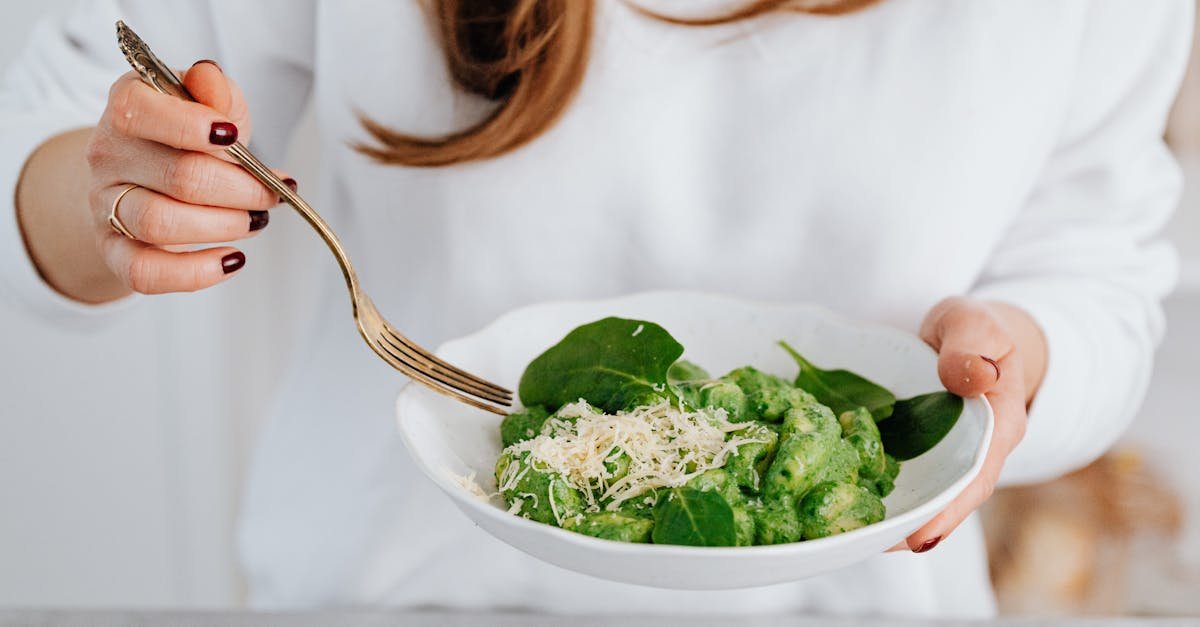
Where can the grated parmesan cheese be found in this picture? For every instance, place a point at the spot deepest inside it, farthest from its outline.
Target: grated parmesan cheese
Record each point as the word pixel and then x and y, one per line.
pixel 665 447
pixel 469 484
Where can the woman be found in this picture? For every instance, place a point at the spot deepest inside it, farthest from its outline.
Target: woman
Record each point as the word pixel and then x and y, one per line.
pixel 989 175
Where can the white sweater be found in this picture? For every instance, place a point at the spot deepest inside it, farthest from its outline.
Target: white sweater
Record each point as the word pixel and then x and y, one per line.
pixel 873 163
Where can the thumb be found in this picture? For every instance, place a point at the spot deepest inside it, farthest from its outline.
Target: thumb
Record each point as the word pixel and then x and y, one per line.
pixel 970 342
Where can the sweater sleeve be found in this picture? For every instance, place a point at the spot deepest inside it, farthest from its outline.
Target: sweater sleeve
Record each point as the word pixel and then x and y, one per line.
pixel 1085 257
pixel 60 82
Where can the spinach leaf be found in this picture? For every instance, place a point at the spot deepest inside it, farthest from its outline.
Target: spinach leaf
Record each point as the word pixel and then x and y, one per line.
pixel 612 363
pixel 841 390
pixel 917 424
pixel 691 517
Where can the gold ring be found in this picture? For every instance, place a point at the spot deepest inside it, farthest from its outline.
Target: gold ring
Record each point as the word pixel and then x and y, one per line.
pixel 113 220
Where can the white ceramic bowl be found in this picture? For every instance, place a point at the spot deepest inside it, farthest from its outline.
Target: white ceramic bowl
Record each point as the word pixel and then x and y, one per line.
pixel 450 440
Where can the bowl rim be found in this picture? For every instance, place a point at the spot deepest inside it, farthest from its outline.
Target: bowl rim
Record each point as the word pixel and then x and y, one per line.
pixel 464 498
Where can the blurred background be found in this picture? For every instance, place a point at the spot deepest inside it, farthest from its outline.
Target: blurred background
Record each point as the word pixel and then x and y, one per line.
pixel 107 503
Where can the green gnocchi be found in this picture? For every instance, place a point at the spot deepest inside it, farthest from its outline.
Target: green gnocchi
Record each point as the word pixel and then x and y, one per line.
pixel 621 440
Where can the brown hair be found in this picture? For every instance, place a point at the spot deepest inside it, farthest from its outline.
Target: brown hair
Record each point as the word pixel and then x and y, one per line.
pixel 530 56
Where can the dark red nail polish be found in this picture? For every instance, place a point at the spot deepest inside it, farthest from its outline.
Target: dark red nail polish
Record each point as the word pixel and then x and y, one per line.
pixel 259 219
pixel 222 133
pixel 233 262
pixel 928 546
pixel 995 365
pixel 290 182
pixel 210 62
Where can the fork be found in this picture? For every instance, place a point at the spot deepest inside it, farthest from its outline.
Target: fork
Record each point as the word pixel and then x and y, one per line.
pixel 398 351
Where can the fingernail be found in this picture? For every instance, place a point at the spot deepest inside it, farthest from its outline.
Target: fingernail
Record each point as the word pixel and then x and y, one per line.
pixel 210 62
pixel 928 546
pixel 290 182
pixel 223 133
pixel 233 262
pixel 995 365
pixel 259 219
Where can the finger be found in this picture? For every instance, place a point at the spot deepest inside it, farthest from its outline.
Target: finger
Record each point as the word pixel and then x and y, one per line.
pixel 970 342
pixel 192 177
pixel 137 110
pixel 151 270
pixel 208 85
pixel 161 220
pixel 1008 405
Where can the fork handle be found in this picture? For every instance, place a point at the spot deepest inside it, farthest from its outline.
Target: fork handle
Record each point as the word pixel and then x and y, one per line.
pixel 156 74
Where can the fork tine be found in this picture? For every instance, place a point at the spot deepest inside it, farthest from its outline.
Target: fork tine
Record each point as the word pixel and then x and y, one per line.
pixel 442 364
pixel 400 352
pixel 427 381
pixel 448 370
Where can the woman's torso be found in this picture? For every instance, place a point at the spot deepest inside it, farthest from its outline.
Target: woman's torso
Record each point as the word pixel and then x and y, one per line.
pixel 868 163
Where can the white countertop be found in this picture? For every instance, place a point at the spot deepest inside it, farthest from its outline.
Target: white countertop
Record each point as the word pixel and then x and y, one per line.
pixel 383 618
